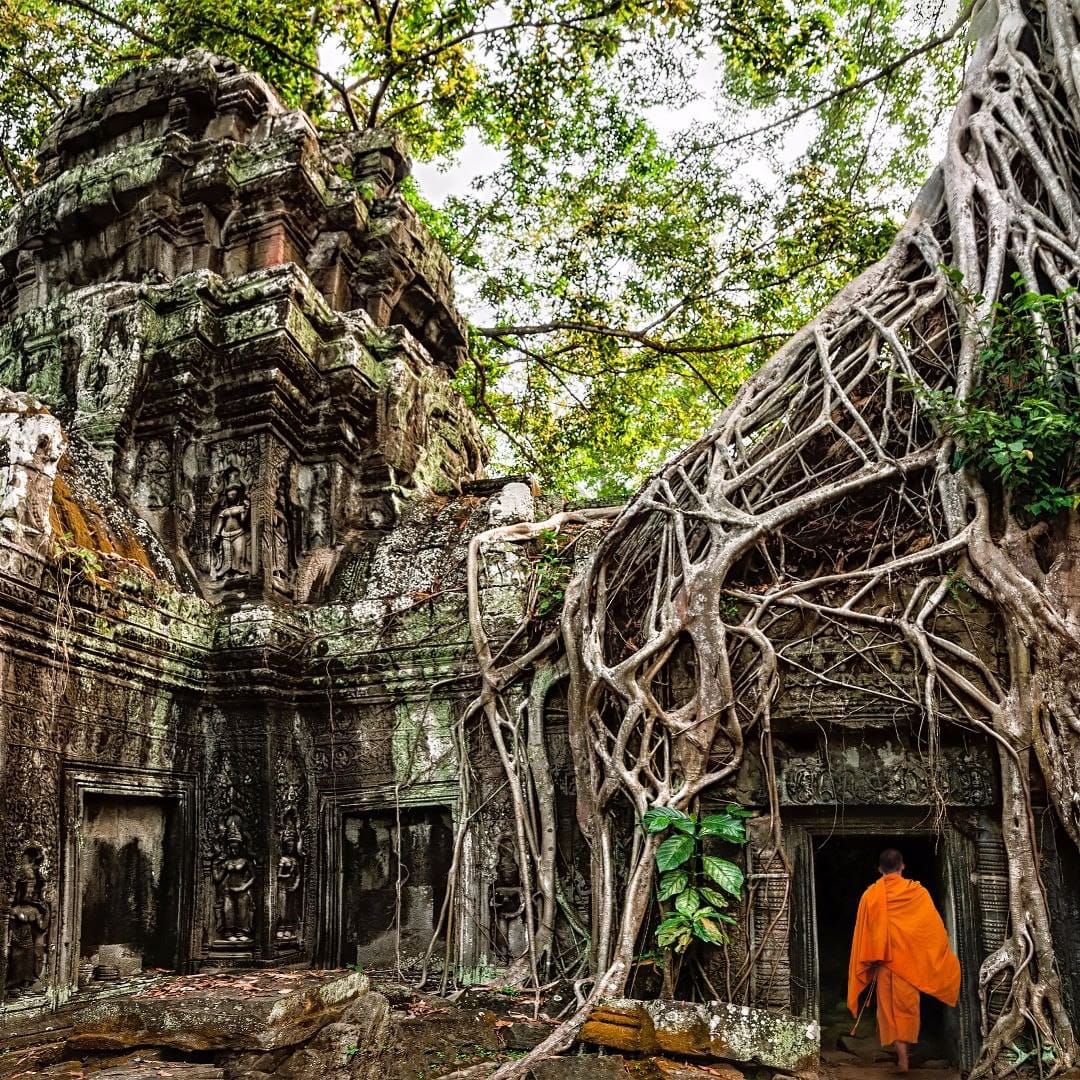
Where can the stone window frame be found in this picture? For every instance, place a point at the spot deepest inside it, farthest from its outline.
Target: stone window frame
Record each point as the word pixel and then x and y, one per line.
pixel 81 779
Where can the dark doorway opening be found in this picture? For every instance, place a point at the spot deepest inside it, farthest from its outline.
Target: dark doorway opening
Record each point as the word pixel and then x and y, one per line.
pixel 844 867
pixel 374 932
pixel 130 883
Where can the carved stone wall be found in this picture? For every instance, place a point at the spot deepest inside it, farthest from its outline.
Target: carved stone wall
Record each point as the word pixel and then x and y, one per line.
pixel 885 774
pixel 228 583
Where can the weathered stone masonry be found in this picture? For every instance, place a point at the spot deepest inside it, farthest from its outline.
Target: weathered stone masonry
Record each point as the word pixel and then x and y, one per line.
pixel 228 590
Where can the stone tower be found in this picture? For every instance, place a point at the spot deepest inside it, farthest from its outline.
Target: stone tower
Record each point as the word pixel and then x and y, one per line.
pixel 236 486
pixel 249 328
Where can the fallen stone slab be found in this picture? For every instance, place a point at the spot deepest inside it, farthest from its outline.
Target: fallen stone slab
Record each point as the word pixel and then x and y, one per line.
pixel 523 1035
pixel 256 1019
pixel 580 1068
pixel 716 1029
pixel 146 1070
pixel 839 1057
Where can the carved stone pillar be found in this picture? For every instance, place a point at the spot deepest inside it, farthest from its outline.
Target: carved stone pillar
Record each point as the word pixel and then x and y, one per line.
pixel 770 900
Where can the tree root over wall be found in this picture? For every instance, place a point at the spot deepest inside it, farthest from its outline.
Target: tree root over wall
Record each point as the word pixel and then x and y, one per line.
pixel 826 493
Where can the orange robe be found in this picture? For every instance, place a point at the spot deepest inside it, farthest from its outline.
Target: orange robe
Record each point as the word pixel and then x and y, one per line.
pixel 900 935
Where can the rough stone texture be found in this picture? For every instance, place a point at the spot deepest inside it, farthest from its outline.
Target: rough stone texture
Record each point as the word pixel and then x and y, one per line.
pixel 31 443
pixel 137 1068
pixel 665 1069
pixel 581 1068
pixel 710 1029
pixel 356 1043
pixel 235 498
pixel 215 1021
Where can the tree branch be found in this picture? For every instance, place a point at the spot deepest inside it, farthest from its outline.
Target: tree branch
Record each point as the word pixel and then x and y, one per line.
pixel 638 337
pixel 861 84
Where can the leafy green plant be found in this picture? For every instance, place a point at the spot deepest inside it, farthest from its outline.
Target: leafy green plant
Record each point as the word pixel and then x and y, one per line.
pixel 1020 425
pixel 698 886
pixel 550 574
pixel 78 562
pixel 729 608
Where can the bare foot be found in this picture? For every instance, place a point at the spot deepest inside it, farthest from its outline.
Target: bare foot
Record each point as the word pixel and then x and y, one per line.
pixel 901 1057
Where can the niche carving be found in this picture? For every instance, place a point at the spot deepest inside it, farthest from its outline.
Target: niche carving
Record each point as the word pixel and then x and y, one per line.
pixel 290 881
pixel 230 531
pixel 28 924
pixel 234 881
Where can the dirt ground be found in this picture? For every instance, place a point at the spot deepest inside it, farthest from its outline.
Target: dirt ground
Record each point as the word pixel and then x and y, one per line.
pixel 426 1037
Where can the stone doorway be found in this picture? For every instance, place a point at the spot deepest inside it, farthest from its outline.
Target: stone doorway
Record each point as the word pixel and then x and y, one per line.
pixel 129 889
pixel 384 853
pixel 357 874
pixel 843 867
pixel 834 860
pixel 127 892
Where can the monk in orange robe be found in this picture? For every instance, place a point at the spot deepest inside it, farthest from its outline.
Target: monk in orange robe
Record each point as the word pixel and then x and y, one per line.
pixel 901 946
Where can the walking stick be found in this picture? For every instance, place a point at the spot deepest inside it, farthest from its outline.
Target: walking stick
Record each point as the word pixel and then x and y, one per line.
pixel 866 1001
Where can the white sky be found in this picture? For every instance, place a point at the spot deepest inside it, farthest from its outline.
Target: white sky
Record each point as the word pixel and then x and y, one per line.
pixel 446 179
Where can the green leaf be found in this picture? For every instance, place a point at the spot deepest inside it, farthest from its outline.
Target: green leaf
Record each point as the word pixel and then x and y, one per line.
pixel 725 873
pixel 735 810
pixel 725 826
pixel 707 928
pixel 674 851
pixel 686 825
pixel 672 883
pixel 686 903
pixel 712 896
pixel 658 818
pixel 674 933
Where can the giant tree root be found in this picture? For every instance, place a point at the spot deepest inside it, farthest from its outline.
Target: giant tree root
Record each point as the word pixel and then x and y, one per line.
pixel 825 496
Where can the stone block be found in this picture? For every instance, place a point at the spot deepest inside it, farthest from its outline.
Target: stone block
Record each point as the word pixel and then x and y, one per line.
pixel 706 1029
pixel 126 960
pixel 585 1067
pixel 205 1022
pixel 513 504
pixel 522 1035
pixel 666 1069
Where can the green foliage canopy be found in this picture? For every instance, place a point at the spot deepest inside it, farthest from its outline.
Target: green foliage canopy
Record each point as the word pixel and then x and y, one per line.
pixel 643 240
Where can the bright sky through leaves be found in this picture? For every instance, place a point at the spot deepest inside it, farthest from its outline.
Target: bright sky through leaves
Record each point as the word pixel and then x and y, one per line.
pixel 642 198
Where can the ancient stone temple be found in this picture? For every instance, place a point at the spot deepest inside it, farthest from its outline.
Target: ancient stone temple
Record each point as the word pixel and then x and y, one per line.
pixel 227 352
pixel 237 490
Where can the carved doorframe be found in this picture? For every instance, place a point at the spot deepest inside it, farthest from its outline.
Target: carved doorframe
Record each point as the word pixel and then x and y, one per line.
pixel 334 807
pixel 960 903
pixel 82 779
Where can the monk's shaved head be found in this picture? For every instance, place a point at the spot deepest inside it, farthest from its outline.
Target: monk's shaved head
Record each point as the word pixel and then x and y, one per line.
pixel 890 861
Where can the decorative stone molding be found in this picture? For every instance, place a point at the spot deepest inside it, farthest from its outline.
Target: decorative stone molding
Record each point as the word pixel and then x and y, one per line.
pixel 886 775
